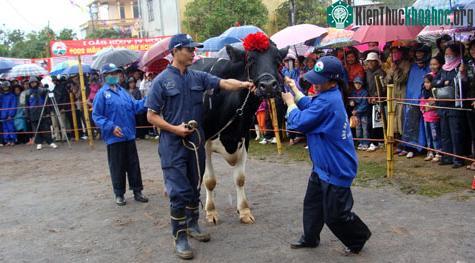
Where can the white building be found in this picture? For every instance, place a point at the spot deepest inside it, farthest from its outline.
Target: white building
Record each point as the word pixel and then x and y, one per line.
pixel 160 17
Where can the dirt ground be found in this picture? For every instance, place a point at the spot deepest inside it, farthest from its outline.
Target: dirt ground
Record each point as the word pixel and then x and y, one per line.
pixel 57 206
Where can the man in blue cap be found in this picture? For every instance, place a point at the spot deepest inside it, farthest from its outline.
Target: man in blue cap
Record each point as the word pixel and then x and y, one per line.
pixel 114 113
pixel 175 99
pixel 324 121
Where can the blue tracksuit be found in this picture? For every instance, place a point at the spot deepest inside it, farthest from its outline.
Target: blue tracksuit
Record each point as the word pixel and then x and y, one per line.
pixel 113 109
pixel 324 120
pixel 9 103
pixel 179 98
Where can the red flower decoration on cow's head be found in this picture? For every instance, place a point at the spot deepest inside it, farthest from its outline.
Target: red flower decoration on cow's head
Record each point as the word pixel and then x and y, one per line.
pixel 256 42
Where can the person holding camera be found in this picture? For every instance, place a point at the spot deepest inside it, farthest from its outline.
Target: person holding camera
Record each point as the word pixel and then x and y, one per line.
pixel 114 113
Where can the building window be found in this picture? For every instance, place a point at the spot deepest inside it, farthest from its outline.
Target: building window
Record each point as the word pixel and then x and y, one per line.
pixel 122 11
pixel 136 10
pixel 150 10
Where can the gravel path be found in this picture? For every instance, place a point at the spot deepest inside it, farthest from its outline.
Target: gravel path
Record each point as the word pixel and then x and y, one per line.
pixel 56 206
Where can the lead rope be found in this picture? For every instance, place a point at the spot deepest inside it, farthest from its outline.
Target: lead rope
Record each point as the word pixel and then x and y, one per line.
pixel 192 147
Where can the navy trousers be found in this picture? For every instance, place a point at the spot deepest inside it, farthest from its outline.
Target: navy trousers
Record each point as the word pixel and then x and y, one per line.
pixel 329 204
pixel 124 162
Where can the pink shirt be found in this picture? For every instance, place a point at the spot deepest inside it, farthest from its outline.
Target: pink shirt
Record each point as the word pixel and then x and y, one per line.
pixel 430 115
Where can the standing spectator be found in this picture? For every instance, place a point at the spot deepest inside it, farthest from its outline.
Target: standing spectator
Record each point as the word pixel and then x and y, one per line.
pixel 146 84
pixel 22 104
pixel 362 111
pixel 451 121
pixel 261 116
pixel 435 65
pixel 20 120
pixel 114 112
pixel 397 75
pixel 431 119
pixel 353 67
pixel 441 44
pixel 413 130
pixel 470 69
pixel 7 115
pixel 35 99
pixel 141 118
pixel 373 71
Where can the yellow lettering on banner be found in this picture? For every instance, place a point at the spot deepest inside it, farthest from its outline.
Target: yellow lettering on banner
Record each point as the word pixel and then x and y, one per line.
pixel 77 51
pixel 134 47
pixel 144 47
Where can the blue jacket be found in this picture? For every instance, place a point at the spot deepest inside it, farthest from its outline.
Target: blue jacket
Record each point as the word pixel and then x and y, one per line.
pixel 362 106
pixel 8 101
pixel 324 120
pixel 113 109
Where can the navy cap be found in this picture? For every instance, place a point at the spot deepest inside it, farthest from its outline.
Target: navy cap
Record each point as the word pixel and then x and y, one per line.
pixel 358 79
pixel 326 68
pixel 183 40
pixel 109 68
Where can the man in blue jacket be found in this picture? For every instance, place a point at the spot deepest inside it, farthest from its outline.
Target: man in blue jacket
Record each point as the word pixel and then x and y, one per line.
pixel 114 112
pixel 324 121
pixel 8 104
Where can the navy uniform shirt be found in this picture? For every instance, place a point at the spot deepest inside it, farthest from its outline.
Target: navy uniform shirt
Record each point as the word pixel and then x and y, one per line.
pixel 179 99
pixel 113 109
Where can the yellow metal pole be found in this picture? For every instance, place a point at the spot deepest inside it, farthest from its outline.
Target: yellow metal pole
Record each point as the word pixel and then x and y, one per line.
pixel 84 103
pixel 390 132
pixel 75 118
pixel 275 124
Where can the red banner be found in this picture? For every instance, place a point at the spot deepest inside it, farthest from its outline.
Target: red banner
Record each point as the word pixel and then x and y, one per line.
pixel 92 46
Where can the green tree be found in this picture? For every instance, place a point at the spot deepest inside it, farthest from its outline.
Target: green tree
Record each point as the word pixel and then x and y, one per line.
pixel 306 12
pixel 207 18
pixel 66 34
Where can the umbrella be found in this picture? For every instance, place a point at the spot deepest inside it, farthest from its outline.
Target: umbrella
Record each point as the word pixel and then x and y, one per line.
pixel 27 70
pixel 59 68
pixel 5 65
pixel 217 43
pixel 335 38
pixel 241 32
pixel 224 54
pixel 157 66
pixel 118 56
pixel 156 52
pixel 297 34
pixel 440 4
pixel 383 34
pixel 75 69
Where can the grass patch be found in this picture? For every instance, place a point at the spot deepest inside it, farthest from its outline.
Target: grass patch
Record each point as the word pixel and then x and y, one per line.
pixel 412 176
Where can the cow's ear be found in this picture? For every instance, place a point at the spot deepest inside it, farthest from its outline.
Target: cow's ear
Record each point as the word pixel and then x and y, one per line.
pixel 283 52
pixel 235 54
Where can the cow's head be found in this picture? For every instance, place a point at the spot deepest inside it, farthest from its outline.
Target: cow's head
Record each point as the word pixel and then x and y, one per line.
pixel 262 60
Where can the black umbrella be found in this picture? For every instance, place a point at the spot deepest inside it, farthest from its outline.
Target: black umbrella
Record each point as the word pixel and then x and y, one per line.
pixel 118 56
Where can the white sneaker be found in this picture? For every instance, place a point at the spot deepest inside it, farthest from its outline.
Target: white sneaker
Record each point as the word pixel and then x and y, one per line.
pixel 409 155
pixel 39 146
pixel 273 141
pixel 372 148
pixel 53 145
pixel 263 141
pixel 429 157
pixel 257 138
pixel 84 137
pixel 306 147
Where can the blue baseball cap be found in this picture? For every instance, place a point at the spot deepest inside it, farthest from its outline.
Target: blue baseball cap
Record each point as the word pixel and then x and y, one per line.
pixel 109 68
pixel 326 68
pixel 183 40
pixel 358 79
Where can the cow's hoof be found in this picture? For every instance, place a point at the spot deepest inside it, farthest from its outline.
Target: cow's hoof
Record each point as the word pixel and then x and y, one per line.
pixel 212 217
pixel 246 217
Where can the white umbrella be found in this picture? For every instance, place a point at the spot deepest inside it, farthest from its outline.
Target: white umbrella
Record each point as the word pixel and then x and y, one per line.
pixel 27 70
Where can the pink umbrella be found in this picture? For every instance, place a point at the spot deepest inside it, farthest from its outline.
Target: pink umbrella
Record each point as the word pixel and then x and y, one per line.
pixel 298 34
pixel 383 34
pixel 158 51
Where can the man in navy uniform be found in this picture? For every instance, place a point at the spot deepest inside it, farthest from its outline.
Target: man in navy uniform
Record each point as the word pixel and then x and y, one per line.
pixel 176 98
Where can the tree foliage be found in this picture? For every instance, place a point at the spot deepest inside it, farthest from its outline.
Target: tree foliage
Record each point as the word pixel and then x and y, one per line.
pixel 106 33
pixel 306 12
pixel 18 44
pixel 208 18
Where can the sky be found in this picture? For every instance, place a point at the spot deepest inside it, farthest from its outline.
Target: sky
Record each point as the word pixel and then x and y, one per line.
pixel 29 15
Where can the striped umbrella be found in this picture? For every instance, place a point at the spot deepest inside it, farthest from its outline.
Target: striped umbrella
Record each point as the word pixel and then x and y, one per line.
pixel 27 70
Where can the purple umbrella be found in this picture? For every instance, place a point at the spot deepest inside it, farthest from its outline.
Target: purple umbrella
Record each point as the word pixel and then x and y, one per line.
pixel 297 34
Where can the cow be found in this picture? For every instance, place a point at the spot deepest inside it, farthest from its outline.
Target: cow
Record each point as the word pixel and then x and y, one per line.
pixel 228 115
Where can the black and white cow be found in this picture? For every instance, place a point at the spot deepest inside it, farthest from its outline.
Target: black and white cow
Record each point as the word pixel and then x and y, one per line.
pixel 229 115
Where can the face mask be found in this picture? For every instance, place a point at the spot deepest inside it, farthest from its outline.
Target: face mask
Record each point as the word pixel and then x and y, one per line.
pixel 449 58
pixel 112 80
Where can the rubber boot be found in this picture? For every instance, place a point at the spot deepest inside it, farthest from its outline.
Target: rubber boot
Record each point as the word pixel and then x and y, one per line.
pixel 194 230
pixel 180 237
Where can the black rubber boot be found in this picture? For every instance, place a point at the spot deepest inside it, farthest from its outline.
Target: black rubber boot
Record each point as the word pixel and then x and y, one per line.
pixel 194 230
pixel 180 237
